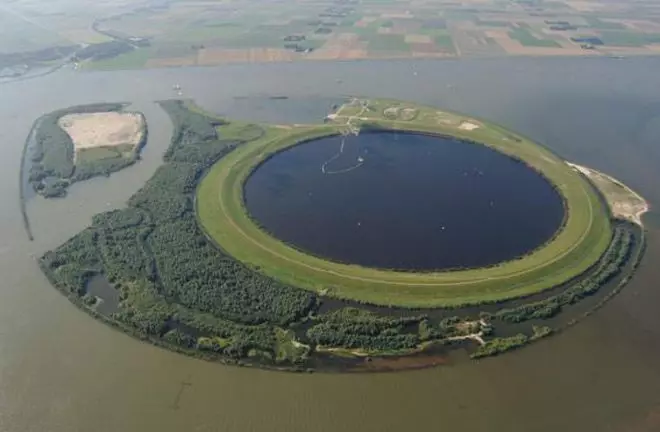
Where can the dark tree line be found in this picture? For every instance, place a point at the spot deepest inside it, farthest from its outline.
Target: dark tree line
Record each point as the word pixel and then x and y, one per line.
pixel 355 328
pixel 154 249
pixel 613 261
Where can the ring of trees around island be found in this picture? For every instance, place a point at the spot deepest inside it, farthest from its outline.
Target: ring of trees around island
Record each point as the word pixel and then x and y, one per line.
pixel 184 265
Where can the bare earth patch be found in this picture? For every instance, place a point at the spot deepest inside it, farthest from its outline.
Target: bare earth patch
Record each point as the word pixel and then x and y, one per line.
pixel 468 126
pixel 105 129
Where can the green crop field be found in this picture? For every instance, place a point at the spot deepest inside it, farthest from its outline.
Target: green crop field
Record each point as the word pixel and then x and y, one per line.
pixel 444 41
pixel 526 38
pixel 133 59
pixel 628 39
pixel 599 24
pixel 584 237
pixel 387 42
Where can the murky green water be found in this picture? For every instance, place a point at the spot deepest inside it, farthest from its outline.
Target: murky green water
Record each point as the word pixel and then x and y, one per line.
pixel 62 371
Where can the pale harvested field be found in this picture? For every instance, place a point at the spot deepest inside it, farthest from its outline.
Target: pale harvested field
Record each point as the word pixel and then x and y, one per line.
pixel 84 35
pixel 171 61
pixel 365 21
pixel 417 38
pixel 407 26
pixel 585 6
pixel 279 22
pixel 259 55
pixel 424 48
pixel 430 55
pixel 641 25
pixel 399 15
pixel 341 46
pixel 106 129
pixel 338 54
pixel 211 56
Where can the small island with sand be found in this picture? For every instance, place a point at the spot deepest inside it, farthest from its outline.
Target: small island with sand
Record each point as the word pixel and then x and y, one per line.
pixel 190 264
pixel 81 142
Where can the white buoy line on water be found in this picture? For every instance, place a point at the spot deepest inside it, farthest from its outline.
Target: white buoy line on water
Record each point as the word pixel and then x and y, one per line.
pixel 351 129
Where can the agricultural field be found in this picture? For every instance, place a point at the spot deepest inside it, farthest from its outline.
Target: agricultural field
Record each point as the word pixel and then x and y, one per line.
pixel 183 33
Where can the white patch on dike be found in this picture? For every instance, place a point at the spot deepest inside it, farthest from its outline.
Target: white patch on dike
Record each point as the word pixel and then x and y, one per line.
pixel 468 126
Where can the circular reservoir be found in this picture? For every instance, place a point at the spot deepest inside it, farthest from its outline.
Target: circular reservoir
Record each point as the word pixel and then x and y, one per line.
pixel 403 201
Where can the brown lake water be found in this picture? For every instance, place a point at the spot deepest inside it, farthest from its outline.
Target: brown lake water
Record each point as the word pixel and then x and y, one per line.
pixel 60 370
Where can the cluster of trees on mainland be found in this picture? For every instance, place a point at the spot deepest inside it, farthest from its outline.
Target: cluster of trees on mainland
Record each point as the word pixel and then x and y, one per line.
pixel 52 166
pixel 178 289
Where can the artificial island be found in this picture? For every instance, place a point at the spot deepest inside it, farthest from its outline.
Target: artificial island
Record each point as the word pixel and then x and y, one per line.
pixel 381 239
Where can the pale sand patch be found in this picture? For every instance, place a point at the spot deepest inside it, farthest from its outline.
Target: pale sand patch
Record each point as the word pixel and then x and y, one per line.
pixel 105 129
pixel 418 38
pixel 468 126
pixel 624 202
pixel 398 15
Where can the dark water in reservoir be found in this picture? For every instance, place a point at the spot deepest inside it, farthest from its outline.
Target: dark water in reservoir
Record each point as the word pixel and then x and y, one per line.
pixel 403 201
pixel 62 371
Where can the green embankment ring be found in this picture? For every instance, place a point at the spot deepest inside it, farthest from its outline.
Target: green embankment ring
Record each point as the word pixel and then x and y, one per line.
pixel 581 241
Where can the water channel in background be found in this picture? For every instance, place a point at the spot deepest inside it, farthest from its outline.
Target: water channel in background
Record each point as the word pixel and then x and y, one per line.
pixel 60 370
pixel 403 201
